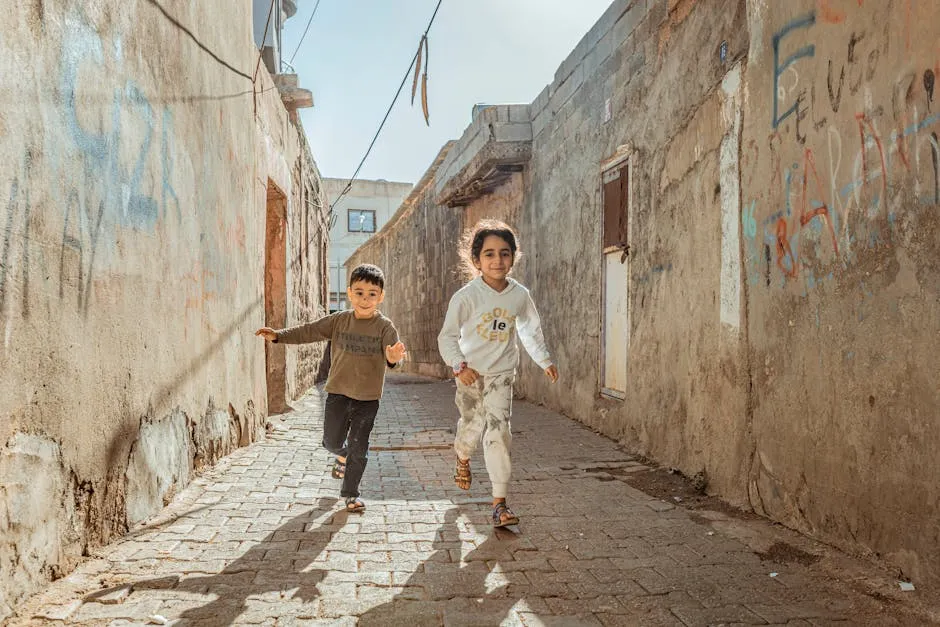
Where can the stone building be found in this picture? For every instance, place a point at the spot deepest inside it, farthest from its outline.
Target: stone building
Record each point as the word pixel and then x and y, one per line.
pixel 161 203
pixel 730 215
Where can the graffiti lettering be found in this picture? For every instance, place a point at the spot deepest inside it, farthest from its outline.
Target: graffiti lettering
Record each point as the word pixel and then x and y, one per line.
pixel 17 230
pixel 806 51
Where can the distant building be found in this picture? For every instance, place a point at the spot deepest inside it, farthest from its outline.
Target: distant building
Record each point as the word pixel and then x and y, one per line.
pixel 362 212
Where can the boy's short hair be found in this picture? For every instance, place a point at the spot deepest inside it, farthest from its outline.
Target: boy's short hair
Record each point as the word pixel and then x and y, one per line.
pixel 368 273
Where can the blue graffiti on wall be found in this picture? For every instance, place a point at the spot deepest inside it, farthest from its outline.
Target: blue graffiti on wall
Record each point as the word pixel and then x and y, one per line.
pixel 806 51
pixel 110 191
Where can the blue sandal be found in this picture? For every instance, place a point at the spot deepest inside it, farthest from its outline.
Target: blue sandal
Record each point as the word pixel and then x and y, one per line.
pixel 354 504
pixel 339 470
pixel 503 516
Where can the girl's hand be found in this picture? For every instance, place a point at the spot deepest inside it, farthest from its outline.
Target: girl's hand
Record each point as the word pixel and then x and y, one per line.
pixel 468 376
pixel 267 333
pixel 395 354
pixel 552 373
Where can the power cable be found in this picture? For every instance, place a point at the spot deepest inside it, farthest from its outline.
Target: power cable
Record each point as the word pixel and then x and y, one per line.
pixel 394 100
pixel 196 40
pixel 306 28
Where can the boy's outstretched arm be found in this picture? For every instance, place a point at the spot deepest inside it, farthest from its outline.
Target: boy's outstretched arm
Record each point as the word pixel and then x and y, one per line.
pixel 316 331
pixel 267 333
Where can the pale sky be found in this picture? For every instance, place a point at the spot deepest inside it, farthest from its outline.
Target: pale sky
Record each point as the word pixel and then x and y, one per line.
pixel 481 51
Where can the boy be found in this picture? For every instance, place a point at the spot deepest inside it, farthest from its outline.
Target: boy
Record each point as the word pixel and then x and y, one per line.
pixel 364 344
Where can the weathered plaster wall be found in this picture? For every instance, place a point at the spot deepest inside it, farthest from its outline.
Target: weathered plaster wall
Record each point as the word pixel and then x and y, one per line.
pixel 841 240
pixel 784 244
pixel 647 83
pixel 134 167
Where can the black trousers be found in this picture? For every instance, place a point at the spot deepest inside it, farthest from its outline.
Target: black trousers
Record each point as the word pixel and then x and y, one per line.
pixel 347 424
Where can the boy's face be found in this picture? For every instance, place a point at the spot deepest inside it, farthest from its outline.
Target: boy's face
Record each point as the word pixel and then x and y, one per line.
pixel 364 298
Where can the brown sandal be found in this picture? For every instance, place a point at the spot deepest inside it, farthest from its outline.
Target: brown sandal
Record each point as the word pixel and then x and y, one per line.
pixel 503 516
pixel 462 476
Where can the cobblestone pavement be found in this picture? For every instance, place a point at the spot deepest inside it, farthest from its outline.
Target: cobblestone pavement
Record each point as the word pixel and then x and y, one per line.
pixel 262 538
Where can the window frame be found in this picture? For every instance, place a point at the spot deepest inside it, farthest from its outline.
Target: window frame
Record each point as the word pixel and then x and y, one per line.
pixel 349 218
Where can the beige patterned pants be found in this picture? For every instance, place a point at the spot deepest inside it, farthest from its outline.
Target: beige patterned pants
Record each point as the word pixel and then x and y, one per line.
pixel 485 409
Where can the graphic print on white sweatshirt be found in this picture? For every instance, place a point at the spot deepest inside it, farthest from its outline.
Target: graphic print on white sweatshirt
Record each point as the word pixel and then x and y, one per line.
pixel 496 325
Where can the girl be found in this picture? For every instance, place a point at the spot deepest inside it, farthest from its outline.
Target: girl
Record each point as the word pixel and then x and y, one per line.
pixel 479 342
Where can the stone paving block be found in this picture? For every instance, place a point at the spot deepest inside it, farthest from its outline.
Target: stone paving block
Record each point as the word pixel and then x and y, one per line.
pixel 373 578
pixel 657 617
pixel 579 606
pixel 601 563
pixel 403 612
pixel 480 612
pixel 112 597
pixel 620 587
pixel 58 612
pixel 541 620
pixel 444 568
pixel 790 612
pixel 532 565
pixel 374 595
pixel 129 610
pixel 711 616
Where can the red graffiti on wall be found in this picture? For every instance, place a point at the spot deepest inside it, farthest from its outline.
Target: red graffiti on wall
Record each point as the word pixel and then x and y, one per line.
pixel 830 14
pixel 863 121
pixel 809 166
pixel 784 251
pixel 807 214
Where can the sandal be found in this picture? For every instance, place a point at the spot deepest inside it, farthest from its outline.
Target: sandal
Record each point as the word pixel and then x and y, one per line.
pixel 354 504
pixel 503 516
pixel 462 476
pixel 339 470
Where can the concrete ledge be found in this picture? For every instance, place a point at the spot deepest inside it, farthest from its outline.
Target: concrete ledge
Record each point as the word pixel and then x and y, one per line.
pixel 292 95
pixel 497 143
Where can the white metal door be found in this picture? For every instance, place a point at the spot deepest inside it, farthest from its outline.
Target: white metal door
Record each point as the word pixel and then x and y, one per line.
pixel 615 247
pixel 616 330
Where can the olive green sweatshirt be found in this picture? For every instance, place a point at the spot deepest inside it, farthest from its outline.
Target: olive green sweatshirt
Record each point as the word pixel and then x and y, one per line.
pixel 357 357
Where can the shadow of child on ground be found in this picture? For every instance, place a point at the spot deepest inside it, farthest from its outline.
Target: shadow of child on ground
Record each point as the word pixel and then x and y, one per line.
pixel 449 584
pixel 276 564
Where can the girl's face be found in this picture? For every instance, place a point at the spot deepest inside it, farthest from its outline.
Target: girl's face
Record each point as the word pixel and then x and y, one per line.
pixel 495 260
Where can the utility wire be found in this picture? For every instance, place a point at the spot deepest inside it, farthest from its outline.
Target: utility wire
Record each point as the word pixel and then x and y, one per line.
pixel 315 7
pixel 196 40
pixel 394 100
pixel 264 38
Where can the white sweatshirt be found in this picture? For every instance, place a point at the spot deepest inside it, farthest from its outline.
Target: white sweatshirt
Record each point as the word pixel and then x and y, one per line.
pixel 481 325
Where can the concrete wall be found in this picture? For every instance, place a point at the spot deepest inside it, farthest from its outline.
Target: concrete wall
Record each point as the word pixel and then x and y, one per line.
pixel 382 197
pixel 841 262
pixel 784 234
pixel 136 170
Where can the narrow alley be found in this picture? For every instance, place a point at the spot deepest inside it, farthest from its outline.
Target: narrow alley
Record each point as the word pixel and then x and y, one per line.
pixel 261 538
